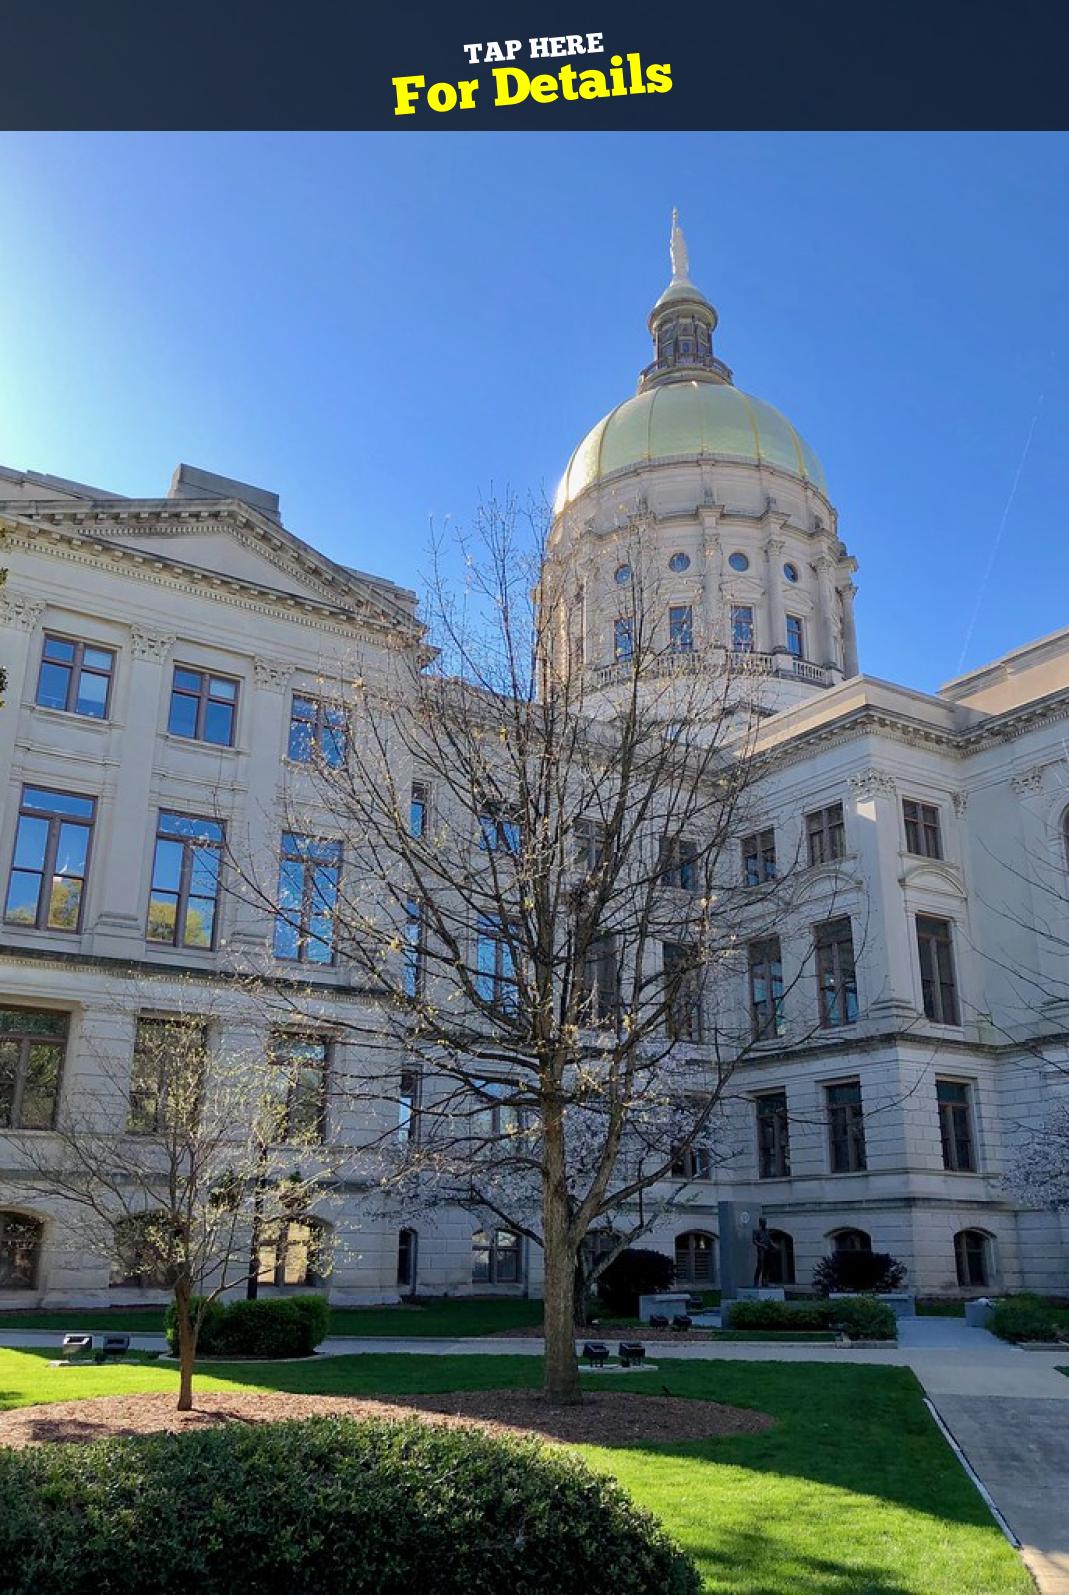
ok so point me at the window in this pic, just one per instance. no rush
(203, 707)
(693, 1162)
(846, 1127)
(679, 563)
(938, 988)
(791, 572)
(695, 1258)
(836, 975)
(738, 562)
(308, 876)
(495, 1114)
(31, 1059)
(623, 639)
(407, 1106)
(294, 1253)
(589, 843)
(51, 860)
(144, 1253)
(406, 1260)
(795, 637)
(683, 1019)
(495, 977)
(766, 989)
(623, 575)
(298, 1091)
(773, 1136)
(678, 863)
(851, 1240)
(418, 809)
(415, 966)
(499, 832)
(495, 1257)
(317, 728)
(185, 881)
(75, 677)
(742, 628)
(20, 1250)
(168, 1053)
(972, 1257)
(599, 984)
(955, 1125)
(759, 857)
(922, 829)
(780, 1264)
(825, 834)
(681, 628)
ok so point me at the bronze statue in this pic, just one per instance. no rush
(765, 1247)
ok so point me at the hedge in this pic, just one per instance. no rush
(860, 1317)
(329, 1504)
(1026, 1317)
(289, 1326)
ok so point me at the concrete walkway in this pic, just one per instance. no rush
(1007, 1409)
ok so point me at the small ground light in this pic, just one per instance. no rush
(632, 1352)
(682, 1322)
(73, 1344)
(658, 1321)
(596, 1353)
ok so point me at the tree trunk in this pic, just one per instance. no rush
(561, 1381)
(187, 1346)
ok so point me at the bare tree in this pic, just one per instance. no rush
(193, 1168)
(543, 896)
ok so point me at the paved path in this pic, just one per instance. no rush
(1007, 1409)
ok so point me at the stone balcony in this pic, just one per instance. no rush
(718, 661)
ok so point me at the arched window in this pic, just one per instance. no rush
(295, 1253)
(144, 1252)
(695, 1258)
(972, 1257)
(496, 1257)
(780, 1269)
(20, 1250)
(407, 1240)
(851, 1240)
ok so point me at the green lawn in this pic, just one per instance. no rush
(451, 1319)
(852, 1493)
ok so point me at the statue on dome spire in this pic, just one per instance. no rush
(677, 248)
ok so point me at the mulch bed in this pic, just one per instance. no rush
(610, 1332)
(607, 1418)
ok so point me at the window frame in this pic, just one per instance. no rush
(764, 958)
(203, 697)
(195, 1033)
(414, 971)
(283, 1057)
(940, 997)
(75, 668)
(185, 877)
(150, 1275)
(952, 1114)
(681, 628)
(409, 1092)
(56, 818)
(760, 848)
(825, 830)
(743, 630)
(795, 632)
(677, 863)
(13, 1281)
(623, 639)
(692, 1275)
(600, 998)
(322, 731)
(772, 1125)
(847, 1149)
(962, 1268)
(25, 1036)
(419, 803)
(836, 971)
(407, 1246)
(497, 1249)
(924, 838)
(683, 1013)
(503, 977)
(299, 851)
(275, 1237)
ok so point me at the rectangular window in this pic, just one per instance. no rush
(773, 1136)
(922, 829)
(683, 1019)
(678, 863)
(693, 1163)
(836, 974)
(499, 832)
(415, 970)
(185, 881)
(495, 977)
(418, 809)
(759, 857)
(76, 677)
(308, 876)
(846, 1127)
(317, 730)
(795, 637)
(766, 989)
(495, 1257)
(681, 628)
(203, 707)
(742, 640)
(623, 639)
(599, 993)
(299, 1089)
(32, 1044)
(955, 1125)
(938, 987)
(825, 834)
(50, 863)
(168, 1053)
(494, 1114)
(407, 1106)
(589, 843)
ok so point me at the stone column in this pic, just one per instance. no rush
(776, 618)
(713, 576)
(261, 821)
(851, 666)
(826, 591)
(882, 944)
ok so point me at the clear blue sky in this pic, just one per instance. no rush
(379, 326)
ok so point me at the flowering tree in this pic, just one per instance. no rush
(1038, 1175)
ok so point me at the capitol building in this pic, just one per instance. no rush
(166, 661)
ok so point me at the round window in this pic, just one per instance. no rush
(791, 572)
(679, 562)
(623, 574)
(738, 562)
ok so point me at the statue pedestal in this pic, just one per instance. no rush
(761, 1293)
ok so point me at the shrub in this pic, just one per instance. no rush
(635, 1272)
(864, 1319)
(288, 1326)
(1024, 1317)
(327, 1504)
(858, 1271)
(859, 1317)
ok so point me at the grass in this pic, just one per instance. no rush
(852, 1493)
(452, 1319)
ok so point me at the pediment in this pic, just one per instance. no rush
(223, 550)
